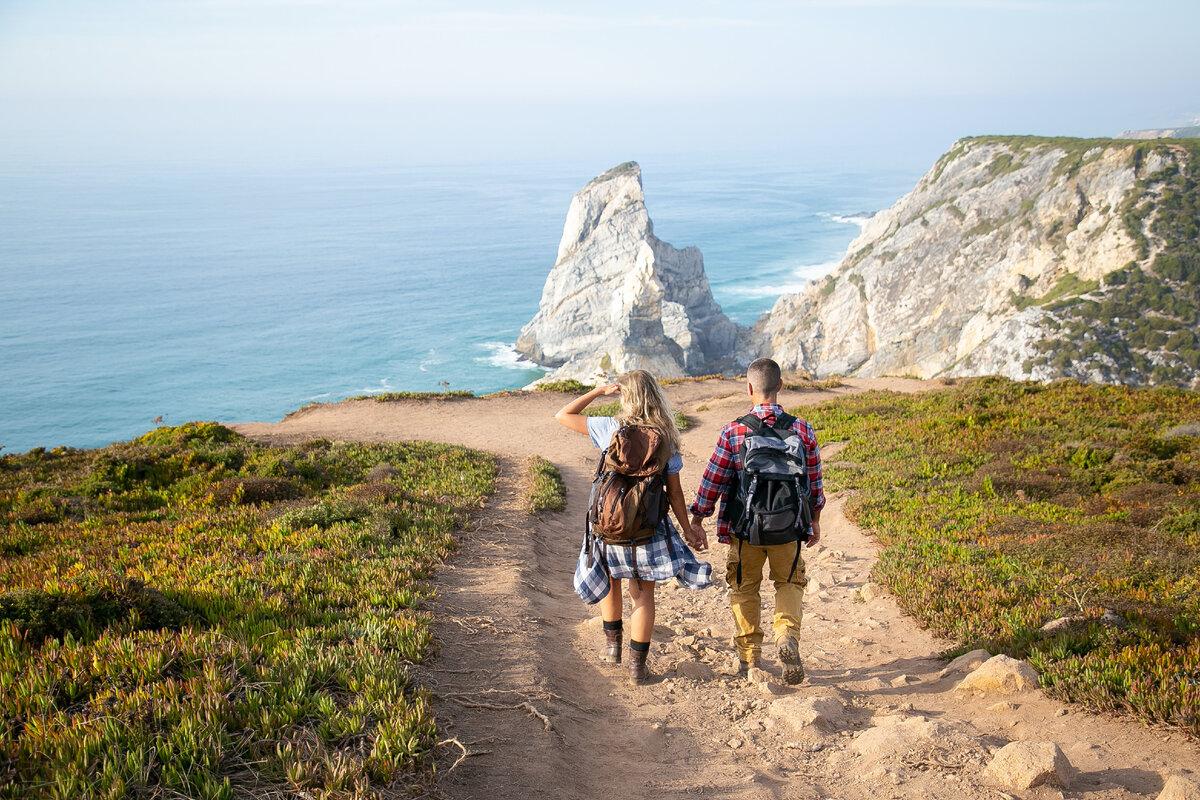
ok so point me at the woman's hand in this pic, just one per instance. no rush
(571, 416)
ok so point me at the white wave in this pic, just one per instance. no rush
(431, 361)
(799, 278)
(503, 355)
(384, 386)
(860, 219)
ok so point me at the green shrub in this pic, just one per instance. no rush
(570, 385)
(183, 621)
(547, 492)
(1002, 505)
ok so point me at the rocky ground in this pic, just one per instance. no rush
(527, 709)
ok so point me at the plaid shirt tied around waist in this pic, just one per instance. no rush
(726, 462)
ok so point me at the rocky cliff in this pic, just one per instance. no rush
(1017, 256)
(619, 298)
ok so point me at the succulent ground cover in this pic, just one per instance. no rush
(547, 492)
(194, 615)
(1004, 506)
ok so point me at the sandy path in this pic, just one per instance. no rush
(518, 683)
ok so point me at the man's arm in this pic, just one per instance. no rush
(717, 474)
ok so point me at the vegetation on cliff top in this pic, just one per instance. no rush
(1140, 324)
(1002, 506)
(191, 614)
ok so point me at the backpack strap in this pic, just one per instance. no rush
(752, 422)
(784, 422)
(795, 561)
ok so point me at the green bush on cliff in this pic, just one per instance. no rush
(1001, 506)
(194, 615)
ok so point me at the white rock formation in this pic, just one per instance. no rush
(618, 298)
(958, 278)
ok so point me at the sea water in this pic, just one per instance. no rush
(134, 296)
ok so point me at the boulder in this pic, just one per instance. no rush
(1024, 765)
(801, 713)
(893, 737)
(1061, 624)
(1178, 787)
(870, 591)
(966, 662)
(1000, 674)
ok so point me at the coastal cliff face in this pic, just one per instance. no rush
(618, 298)
(1016, 256)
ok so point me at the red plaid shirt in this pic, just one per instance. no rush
(725, 463)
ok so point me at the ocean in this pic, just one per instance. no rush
(132, 293)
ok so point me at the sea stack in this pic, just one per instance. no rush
(618, 298)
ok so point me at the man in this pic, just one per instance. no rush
(745, 562)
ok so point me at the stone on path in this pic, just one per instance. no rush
(1024, 765)
(1000, 674)
(1180, 788)
(696, 670)
(894, 736)
(869, 591)
(800, 713)
(966, 662)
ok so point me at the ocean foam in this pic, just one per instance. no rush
(503, 355)
(860, 219)
(801, 276)
(384, 386)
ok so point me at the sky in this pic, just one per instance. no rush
(408, 81)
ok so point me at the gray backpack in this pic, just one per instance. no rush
(772, 501)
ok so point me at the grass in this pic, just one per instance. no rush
(569, 385)
(191, 614)
(391, 397)
(547, 492)
(812, 384)
(1001, 506)
(1069, 285)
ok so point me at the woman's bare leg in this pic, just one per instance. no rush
(641, 618)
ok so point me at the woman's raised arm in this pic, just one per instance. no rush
(571, 416)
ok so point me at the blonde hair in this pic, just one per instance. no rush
(643, 403)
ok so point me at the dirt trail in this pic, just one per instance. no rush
(519, 685)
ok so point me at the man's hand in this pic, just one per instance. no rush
(815, 536)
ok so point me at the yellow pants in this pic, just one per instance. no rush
(747, 605)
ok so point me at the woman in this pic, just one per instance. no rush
(602, 568)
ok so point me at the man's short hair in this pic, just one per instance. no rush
(764, 375)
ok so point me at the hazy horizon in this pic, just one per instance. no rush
(867, 82)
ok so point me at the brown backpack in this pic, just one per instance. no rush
(629, 493)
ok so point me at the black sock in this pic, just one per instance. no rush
(639, 647)
(612, 626)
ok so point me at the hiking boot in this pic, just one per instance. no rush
(612, 647)
(789, 656)
(638, 674)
